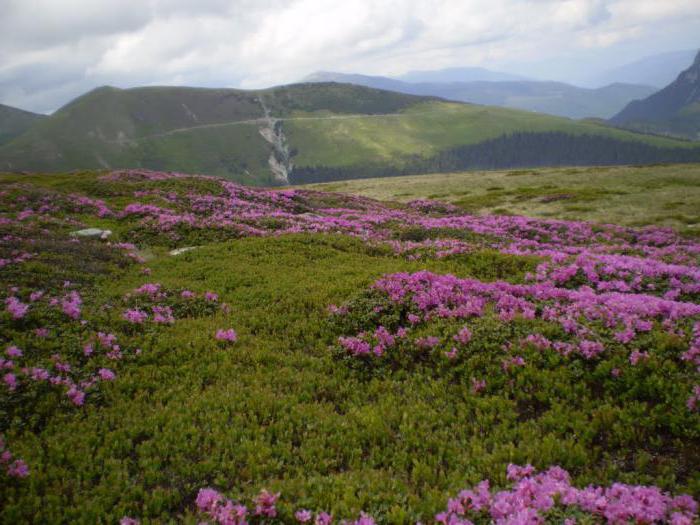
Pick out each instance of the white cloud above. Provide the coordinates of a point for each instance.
(51, 50)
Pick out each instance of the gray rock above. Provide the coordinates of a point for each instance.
(178, 251)
(92, 232)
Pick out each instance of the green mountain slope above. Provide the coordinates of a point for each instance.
(14, 122)
(306, 132)
(675, 110)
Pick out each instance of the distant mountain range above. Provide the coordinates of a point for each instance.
(675, 110)
(14, 122)
(554, 98)
(459, 74)
(657, 70)
(314, 132)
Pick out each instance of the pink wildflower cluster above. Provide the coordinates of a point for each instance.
(16, 308)
(224, 511)
(15, 468)
(533, 496)
(228, 335)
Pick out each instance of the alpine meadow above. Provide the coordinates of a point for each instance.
(300, 262)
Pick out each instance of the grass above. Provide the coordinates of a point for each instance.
(662, 195)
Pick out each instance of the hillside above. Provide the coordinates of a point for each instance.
(675, 110)
(14, 122)
(554, 98)
(313, 132)
(330, 359)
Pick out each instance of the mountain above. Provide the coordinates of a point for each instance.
(554, 98)
(675, 110)
(14, 122)
(313, 132)
(657, 70)
(458, 74)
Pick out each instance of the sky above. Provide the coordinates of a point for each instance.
(54, 50)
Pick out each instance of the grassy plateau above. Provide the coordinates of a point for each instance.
(667, 195)
(318, 357)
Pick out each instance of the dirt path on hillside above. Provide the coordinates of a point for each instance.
(263, 121)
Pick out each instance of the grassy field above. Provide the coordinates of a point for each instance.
(284, 407)
(427, 128)
(661, 195)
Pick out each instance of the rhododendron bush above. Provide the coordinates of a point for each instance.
(224, 354)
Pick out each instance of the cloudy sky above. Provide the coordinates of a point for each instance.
(54, 50)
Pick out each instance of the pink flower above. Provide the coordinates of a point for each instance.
(265, 504)
(303, 516)
(10, 380)
(76, 396)
(18, 469)
(478, 385)
(13, 351)
(226, 335)
(207, 499)
(135, 316)
(16, 308)
(163, 315)
(637, 356)
(126, 520)
(106, 374)
(323, 518)
(211, 297)
(187, 294)
(71, 304)
(463, 336)
(41, 332)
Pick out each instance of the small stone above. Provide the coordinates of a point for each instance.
(178, 251)
(92, 232)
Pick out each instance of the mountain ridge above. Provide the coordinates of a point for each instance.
(305, 131)
(15, 121)
(554, 98)
(674, 110)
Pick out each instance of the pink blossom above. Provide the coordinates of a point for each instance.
(76, 396)
(135, 316)
(16, 308)
(10, 380)
(106, 374)
(226, 335)
(303, 516)
(13, 351)
(18, 469)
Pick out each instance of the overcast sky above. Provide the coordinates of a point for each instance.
(54, 50)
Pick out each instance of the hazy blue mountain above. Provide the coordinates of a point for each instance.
(458, 74)
(657, 70)
(675, 110)
(555, 98)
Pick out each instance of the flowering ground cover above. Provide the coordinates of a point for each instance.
(322, 357)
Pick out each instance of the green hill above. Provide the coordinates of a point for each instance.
(313, 132)
(14, 122)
